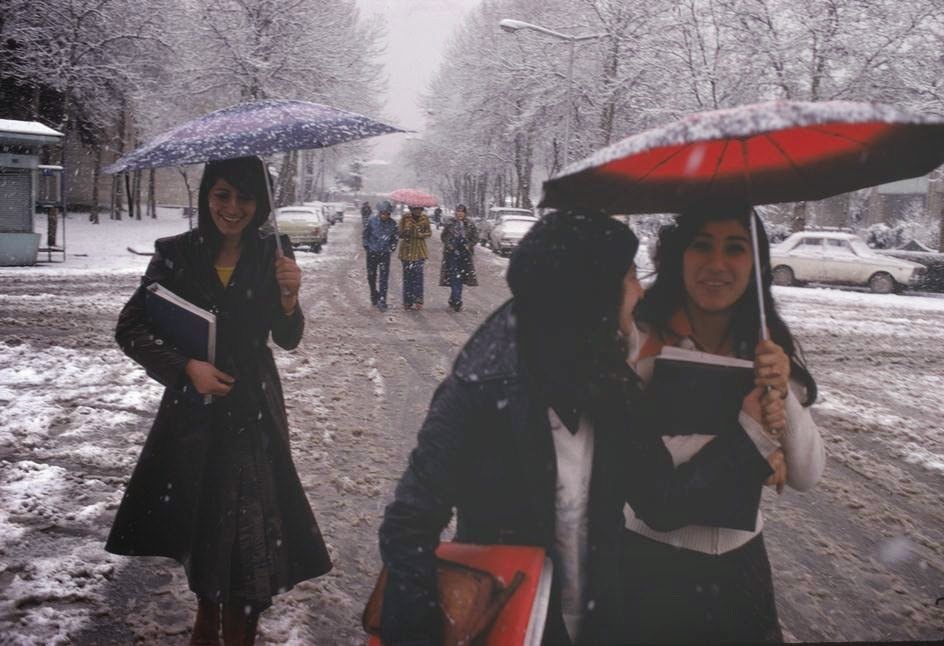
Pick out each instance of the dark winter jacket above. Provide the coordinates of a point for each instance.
(486, 449)
(454, 251)
(380, 236)
(160, 513)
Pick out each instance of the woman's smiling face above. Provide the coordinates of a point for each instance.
(716, 266)
(231, 209)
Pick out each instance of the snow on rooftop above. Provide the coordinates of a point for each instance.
(27, 128)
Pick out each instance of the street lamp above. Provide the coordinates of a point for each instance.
(511, 26)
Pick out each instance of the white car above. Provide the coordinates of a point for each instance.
(486, 223)
(842, 259)
(505, 235)
(304, 225)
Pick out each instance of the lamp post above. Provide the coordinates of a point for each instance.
(510, 25)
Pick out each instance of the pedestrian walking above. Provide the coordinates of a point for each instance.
(414, 229)
(215, 487)
(366, 212)
(380, 240)
(437, 217)
(708, 583)
(459, 239)
(536, 438)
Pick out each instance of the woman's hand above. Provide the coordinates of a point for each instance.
(771, 367)
(207, 379)
(289, 278)
(767, 409)
(778, 463)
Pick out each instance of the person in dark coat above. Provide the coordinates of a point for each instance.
(215, 487)
(379, 238)
(366, 212)
(542, 380)
(457, 267)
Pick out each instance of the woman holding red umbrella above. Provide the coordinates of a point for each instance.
(414, 229)
(713, 584)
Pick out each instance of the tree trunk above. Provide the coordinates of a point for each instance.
(116, 202)
(152, 195)
(130, 195)
(96, 177)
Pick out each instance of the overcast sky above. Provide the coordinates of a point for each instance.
(417, 32)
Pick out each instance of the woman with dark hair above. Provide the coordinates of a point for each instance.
(536, 438)
(700, 583)
(215, 487)
(457, 268)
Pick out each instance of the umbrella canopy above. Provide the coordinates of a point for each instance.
(782, 151)
(413, 197)
(257, 128)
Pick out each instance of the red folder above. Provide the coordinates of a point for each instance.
(521, 620)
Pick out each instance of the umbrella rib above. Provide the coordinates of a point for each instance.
(714, 173)
(638, 184)
(837, 135)
(793, 165)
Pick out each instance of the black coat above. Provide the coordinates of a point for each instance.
(486, 449)
(170, 505)
(467, 265)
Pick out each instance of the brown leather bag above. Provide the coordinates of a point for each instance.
(469, 598)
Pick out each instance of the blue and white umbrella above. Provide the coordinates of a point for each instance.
(258, 128)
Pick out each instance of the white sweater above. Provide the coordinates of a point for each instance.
(803, 451)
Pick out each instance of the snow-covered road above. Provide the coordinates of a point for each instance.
(861, 557)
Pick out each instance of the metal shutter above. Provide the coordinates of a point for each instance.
(16, 208)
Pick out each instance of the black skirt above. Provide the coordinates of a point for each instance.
(677, 595)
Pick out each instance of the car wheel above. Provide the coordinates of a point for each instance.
(882, 283)
(783, 276)
(316, 248)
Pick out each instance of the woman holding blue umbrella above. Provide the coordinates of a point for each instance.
(215, 487)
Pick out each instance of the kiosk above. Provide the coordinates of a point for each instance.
(22, 178)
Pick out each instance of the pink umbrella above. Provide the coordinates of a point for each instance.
(413, 197)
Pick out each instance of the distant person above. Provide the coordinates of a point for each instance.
(712, 584)
(457, 269)
(366, 212)
(437, 217)
(536, 437)
(380, 240)
(215, 487)
(414, 229)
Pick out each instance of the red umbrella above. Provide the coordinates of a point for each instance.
(783, 151)
(413, 197)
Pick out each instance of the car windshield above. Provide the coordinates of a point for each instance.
(300, 214)
(861, 248)
(509, 225)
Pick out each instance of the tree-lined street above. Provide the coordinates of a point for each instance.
(860, 557)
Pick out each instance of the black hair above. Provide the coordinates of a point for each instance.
(666, 294)
(247, 174)
(566, 277)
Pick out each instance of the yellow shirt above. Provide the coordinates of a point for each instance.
(225, 273)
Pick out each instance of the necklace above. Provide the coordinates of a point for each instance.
(701, 346)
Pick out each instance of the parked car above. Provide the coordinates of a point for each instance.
(486, 222)
(933, 261)
(842, 259)
(305, 225)
(334, 211)
(505, 235)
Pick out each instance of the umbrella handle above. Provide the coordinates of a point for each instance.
(275, 222)
(757, 276)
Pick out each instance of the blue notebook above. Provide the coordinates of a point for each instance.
(189, 328)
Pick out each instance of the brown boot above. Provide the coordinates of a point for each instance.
(239, 626)
(206, 627)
